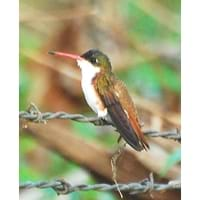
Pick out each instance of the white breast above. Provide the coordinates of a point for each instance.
(90, 94)
(88, 72)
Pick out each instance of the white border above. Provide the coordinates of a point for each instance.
(9, 18)
(190, 99)
(9, 99)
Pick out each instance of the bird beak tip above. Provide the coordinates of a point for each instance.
(51, 52)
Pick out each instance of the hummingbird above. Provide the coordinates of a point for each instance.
(108, 96)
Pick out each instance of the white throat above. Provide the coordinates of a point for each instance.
(88, 72)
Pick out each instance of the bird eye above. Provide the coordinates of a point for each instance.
(94, 61)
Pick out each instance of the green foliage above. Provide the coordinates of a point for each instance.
(57, 164)
(75, 196)
(90, 132)
(29, 40)
(170, 79)
(173, 5)
(24, 88)
(173, 159)
(96, 195)
(109, 139)
(26, 145)
(142, 78)
(49, 194)
(27, 173)
(31, 43)
(143, 26)
(150, 80)
(90, 195)
(86, 130)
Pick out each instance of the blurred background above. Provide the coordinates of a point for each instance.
(142, 40)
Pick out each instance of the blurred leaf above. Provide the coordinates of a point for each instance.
(60, 166)
(26, 144)
(172, 160)
(90, 195)
(90, 132)
(27, 173)
(49, 194)
(106, 196)
(75, 196)
(143, 78)
(29, 40)
(108, 139)
(173, 5)
(150, 81)
(170, 79)
(24, 88)
(86, 130)
(143, 26)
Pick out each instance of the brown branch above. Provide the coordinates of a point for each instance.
(71, 146)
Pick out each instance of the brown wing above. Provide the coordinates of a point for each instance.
(126, 124)
(130, 109)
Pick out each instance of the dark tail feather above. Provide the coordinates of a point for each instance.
(124, 127)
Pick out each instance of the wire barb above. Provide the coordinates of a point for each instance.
(63, 187)
(33, 114)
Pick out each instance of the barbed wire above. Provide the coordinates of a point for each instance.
(63, 187)
(33, 114)
(43, 117)
(173, 134)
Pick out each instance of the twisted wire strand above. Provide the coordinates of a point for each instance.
(38, 117)
(63, 187)
(174, 134)
(42, 117)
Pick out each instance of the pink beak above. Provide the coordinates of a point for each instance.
(68, 55)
